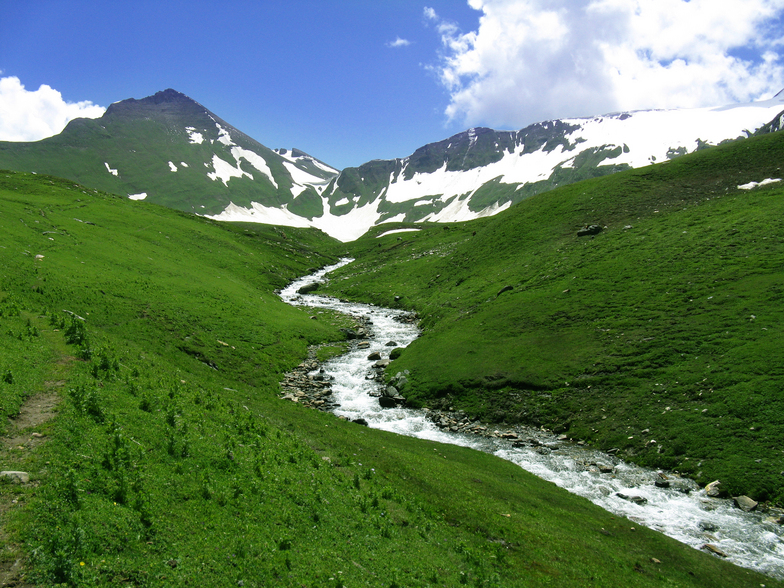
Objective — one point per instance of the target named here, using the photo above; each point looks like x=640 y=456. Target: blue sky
x=329 y=77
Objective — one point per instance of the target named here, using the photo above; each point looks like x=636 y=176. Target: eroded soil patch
x=20 y=440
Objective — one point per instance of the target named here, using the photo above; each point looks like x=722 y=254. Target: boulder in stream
x=745 y=503
x=713 y=549
x=635 y=499
x=308 y=288
x=713 y=489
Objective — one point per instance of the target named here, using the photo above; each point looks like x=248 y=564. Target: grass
x=658 y=336
x=172 y=462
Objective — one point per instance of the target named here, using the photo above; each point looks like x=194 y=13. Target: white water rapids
x=683 y=511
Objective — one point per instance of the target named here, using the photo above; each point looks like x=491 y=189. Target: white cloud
x=532 y=60
x=31 y=116
x=398 y=42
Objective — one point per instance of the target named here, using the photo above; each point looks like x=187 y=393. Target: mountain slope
x=656 y=336
x=171 y=150
x=481 y=171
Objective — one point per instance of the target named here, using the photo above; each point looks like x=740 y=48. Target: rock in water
x=713 y=549
x=661 y=481
x=387 y=402
x=712 y=489
x=745 y=503
x=635 y=499
x=308 y=288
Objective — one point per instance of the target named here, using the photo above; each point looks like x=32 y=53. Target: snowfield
x=635 y=139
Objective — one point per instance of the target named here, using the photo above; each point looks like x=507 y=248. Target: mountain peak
x=167 y=95
x=166 y=98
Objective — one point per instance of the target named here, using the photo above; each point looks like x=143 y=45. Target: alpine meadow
x=142 y=348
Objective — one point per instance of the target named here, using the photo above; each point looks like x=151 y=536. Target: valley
x=632 y=311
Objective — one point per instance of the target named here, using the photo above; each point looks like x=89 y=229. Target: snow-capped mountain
x=481 y=171
x=171 y=150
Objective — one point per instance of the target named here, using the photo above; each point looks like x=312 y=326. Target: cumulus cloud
x=31 y=116
x=398 y=42
x=532 y=60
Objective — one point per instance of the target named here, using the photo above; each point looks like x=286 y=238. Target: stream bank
x=352 y=387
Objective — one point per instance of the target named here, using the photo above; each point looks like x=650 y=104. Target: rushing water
x=683 y=511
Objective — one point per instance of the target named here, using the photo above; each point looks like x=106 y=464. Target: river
x=683 y=511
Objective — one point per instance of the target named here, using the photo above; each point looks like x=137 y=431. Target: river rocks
x=308 y=288
x=745 y=503
x=390 y=344
x=661 y=481
x=635 y=499
x=301 y=385
x=351 y=334
x=408 y=319
x=395 y=353
x=374 y=356
x=714 y=550
x=387 y=402
x=713 y=489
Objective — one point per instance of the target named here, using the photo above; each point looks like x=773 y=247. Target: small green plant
x=86 y=401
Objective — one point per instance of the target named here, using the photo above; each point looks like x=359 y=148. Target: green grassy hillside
x=166 y=146
x=660 y=336
x=171 y=461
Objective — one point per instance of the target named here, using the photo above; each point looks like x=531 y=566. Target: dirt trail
x=15 y=450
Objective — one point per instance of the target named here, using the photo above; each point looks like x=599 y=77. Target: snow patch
x=471 y=137
x=114 y=172
x=172 y=166
x=258 y=213
x=300 y=176
x=398 y=218
x=223 y=136
x=752 y=185
x=224 y=171
x=195 y=138
x=345 y=227
x=342 y=201
x=183 y=164
x=393 y=231
x=291 y=159
x=141 y=196
x=255 y=160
